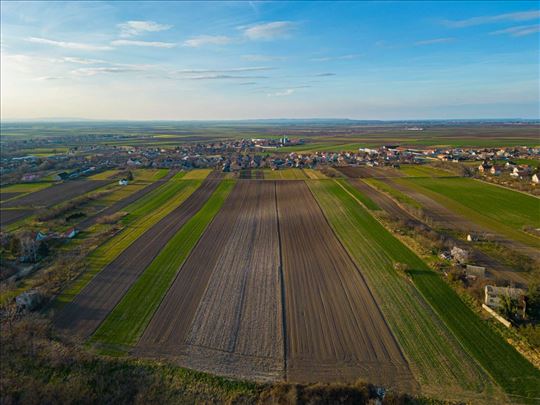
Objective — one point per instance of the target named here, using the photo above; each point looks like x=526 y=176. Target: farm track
x=446 y=218
x=223 y=312
x=88 y=222
x=479 y=258
x=335 y=329
x=90 y=307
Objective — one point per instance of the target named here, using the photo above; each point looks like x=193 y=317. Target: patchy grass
x=500 y=209
x=424 y=171
x=104 y=175
x=285 y=174
x=376 y=249
x=127 y=321
x=25 y=187
x=196 y=174
x=314 y=174
x=142 y=214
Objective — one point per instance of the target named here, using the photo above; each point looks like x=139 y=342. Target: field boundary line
x=369 y=287
x=187 y=257
x=501 y=186
x=282 y=289
x=348 y=192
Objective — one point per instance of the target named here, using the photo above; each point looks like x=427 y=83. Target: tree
x=129 y=176
x=43 y=249
x=533 y=300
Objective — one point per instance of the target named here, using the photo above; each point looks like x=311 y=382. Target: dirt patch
x=10 y=216
x=223 y=313
x=335 y=330
x=90 y=307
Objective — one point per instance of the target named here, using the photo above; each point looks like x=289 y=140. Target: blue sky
x=238 y=60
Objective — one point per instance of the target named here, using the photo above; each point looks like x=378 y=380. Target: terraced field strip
x=502 y=210
x=143 y=214
x=223 y=312
x=123 y=203
x=432 y=352
x=335 y=329
x=126 y=322
x=90 y=307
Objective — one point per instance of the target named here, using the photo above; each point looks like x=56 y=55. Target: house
x=496 y=170
x=484 y=167
x=475 y=271
x=535 y=178
x=61 y=176
x=519 y=172
x=70 y=233
x=494 y=294
x=122 y=182
x=459 y=255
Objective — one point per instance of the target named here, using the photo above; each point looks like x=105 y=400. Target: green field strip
x=434 y=355
x=364 y=199
x=422 y=338
x=25 y=187
x=142 y=215
x=499 y=209
x=124 y=325
x=196 y=174
x=424 y=171
x=392 y=192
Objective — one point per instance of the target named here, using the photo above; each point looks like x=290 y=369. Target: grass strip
x=142 y=214
x=375 y=248
x=396 y=194
x=364 y=199
x=128 y=319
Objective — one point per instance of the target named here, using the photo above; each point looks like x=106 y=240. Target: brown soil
x=90 y=307
x=57 y=193
x=335 y=329
x=10 y=216
x=118 y=206
x=223 y=313
x=7 y=196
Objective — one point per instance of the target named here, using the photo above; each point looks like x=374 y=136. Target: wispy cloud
x=222 y=76
x=327 y=74
x=108 y=69
x=69 y=45
x=134 y=28
x=269 y=31
x=203 y=40
x=263 y=58
x=81 y=61
x=330 y=58
x=434 y=41
x=489 y=19
x=286 y=92
x=230 y=70
x=519 y=31
x=48 y=78
x=151 y=44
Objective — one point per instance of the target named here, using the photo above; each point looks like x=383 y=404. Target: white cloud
x=69 y=45
x=469 y=22
x=434 y=41
x=327 y=74
x=222 y=76
x=110 y=69
x=269 y=31
x=152 y=44
x=134 y=28
x=283 y=93
x=81 y=61
x=262 y=58
x=203 y=40
x=330 y=58
x=519 y=31
x=231 y=70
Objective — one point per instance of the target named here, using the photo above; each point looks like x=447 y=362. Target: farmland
x=498 y=209
x=501 y=361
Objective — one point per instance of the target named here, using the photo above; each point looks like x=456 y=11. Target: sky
x=247 y=60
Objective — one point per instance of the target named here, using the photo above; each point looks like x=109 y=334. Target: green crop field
x=25 y=187
x=436 y=358
x=142 y=214
x=497 y=208
x=314 y=174
x=424 y=171
x=196 y=174
x=396 y=194
x=285 y=174
x=375 y=250
x=127 y=321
